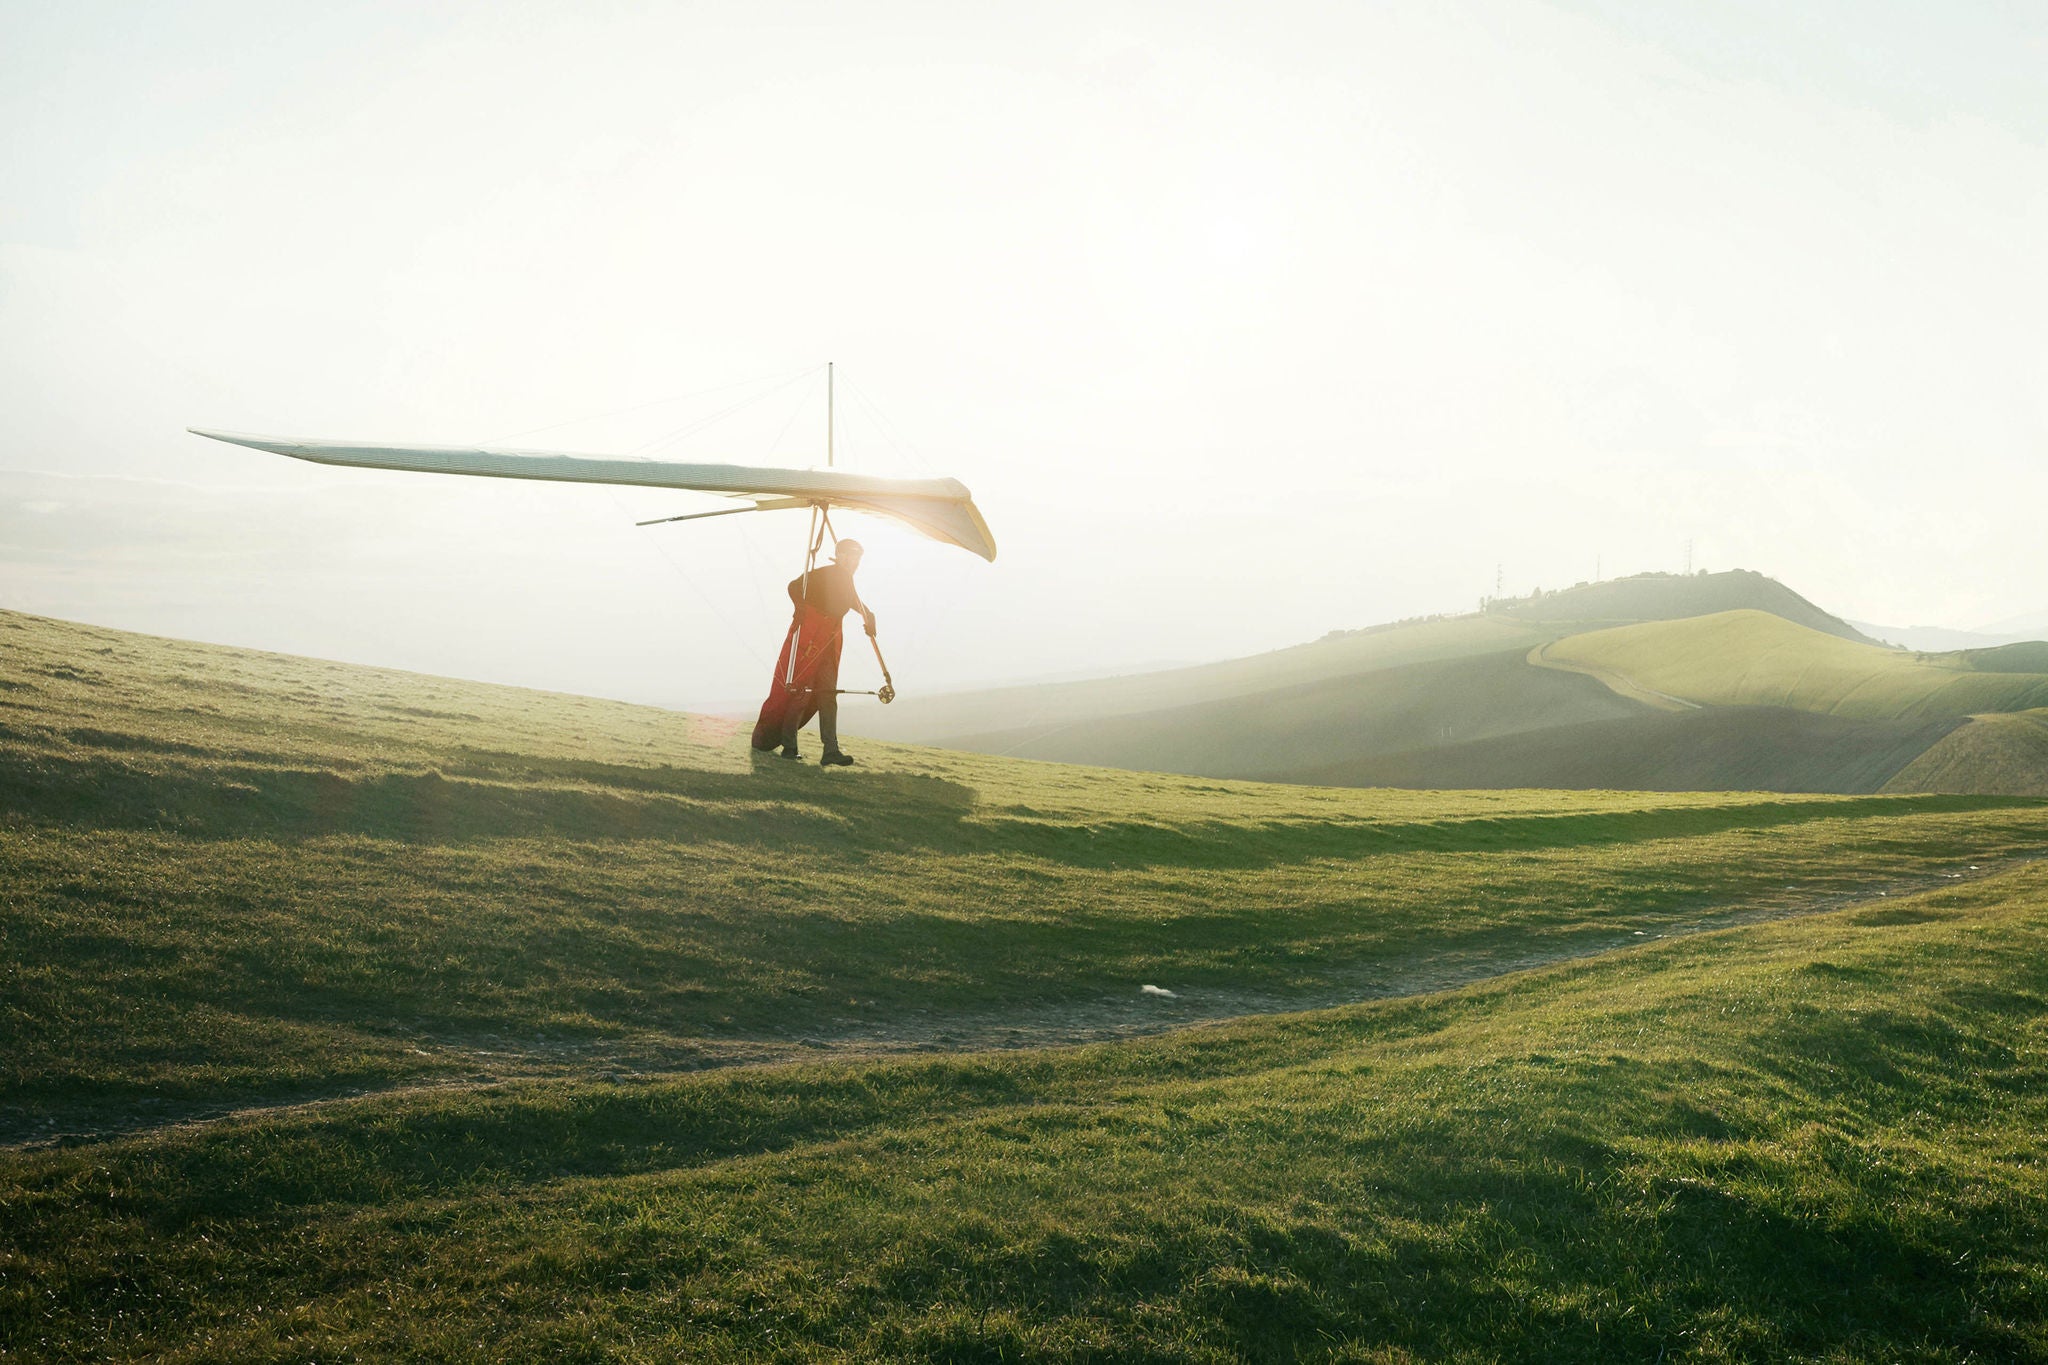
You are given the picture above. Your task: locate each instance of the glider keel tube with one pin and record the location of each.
(940, 508)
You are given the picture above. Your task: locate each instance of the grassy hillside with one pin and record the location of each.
(233, 877)
(2029, 656)
(1476, 702)
(1339, 655)
(1726, 748)
(1751, 658)
(1496, 722)
(2006, 753)
(972, 719)
(1806, 1141)
(1325, 725)
(355, 1014)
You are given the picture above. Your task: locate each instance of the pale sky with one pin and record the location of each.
(1242, 326)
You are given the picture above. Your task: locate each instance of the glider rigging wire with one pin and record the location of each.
(662, 402)
(689, 429)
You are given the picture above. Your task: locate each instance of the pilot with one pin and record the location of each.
(821, 602)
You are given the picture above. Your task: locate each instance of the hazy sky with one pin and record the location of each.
(1242, 326)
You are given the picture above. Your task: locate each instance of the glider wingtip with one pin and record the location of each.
(276, 445)
(233, 438)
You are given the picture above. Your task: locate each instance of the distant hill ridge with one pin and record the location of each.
(973, 718)
(1941, 639)
(1656, 682)
(1752, 658)
(1669, 597)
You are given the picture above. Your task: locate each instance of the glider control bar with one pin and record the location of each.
(767, 505)
(887, 691)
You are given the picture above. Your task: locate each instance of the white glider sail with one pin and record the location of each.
(940, 508)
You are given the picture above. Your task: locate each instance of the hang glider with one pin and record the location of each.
(940, 508)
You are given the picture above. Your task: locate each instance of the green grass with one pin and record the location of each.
(2026, 656)
(1813, 1141)
(232, 878)
(473, 964)
(1744, 748)
(1994, 753)
(1752, 658)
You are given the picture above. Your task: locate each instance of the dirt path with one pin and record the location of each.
(490, 1062)
(1139, 1014)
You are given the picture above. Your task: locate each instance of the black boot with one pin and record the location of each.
(835, 759)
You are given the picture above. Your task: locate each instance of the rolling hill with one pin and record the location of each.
(1995, 753)
(354, 1014)
(1671, 597)
(1796, 700)
(1336, 656)
(1507, 624)
(1730, 748)
(1291, 730)
(1752, 658)
(1941, 639)
(321, 876)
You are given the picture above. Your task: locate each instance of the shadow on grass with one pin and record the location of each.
(480, 796)
(407, 1147)
(474, 799)
(1284, 1290)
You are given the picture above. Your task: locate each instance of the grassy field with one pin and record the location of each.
(234, 878)
(1813, 1141)
(1752, 658)
(355, 1014)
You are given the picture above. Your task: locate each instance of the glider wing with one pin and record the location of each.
(940, 508)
